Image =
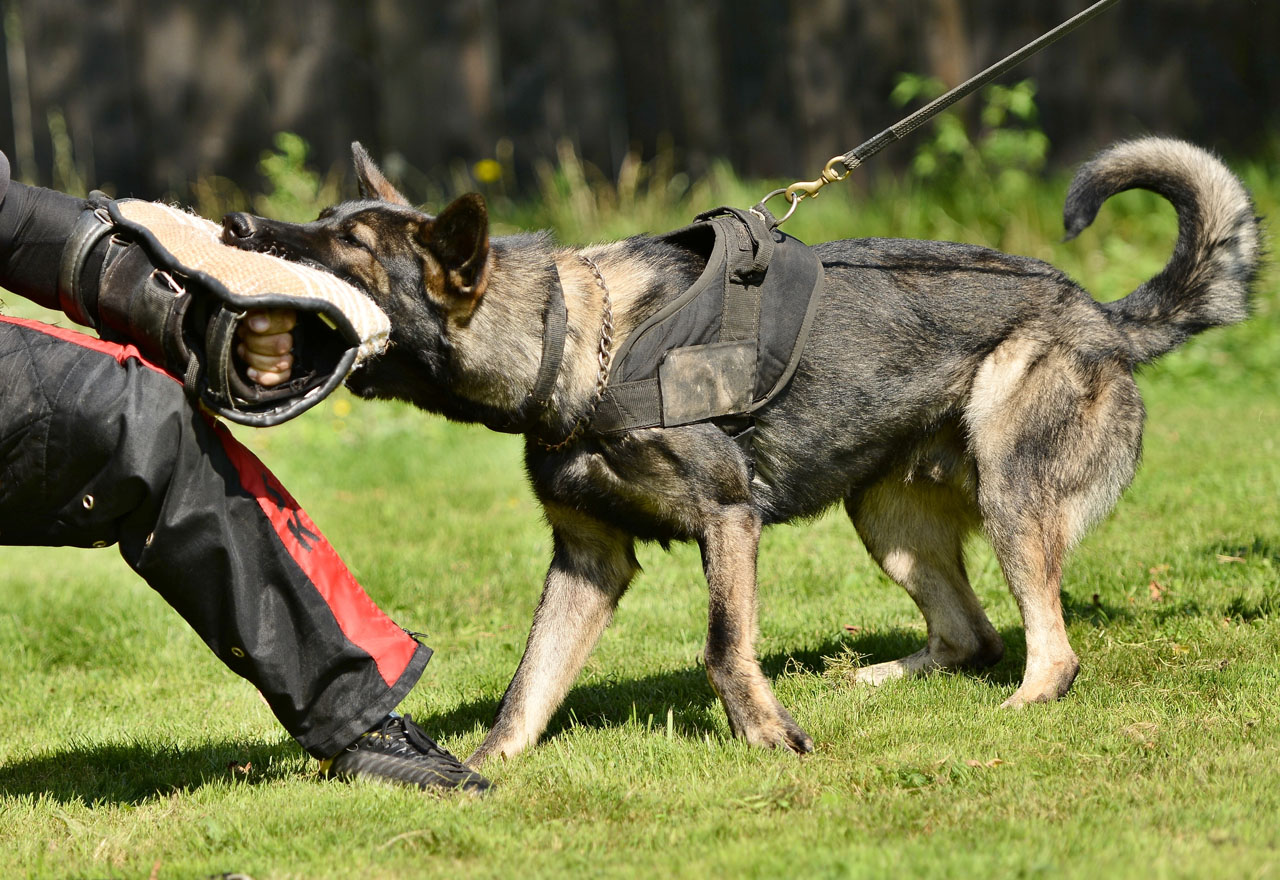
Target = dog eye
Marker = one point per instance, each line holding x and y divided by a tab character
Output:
348	237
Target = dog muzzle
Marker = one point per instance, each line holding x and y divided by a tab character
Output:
170	286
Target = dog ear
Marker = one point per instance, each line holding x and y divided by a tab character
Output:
373	185
459	239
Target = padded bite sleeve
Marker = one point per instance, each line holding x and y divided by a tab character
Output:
169	285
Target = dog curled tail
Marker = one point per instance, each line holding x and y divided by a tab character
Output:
1207	281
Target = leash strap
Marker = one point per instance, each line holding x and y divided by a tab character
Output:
839	167
862	152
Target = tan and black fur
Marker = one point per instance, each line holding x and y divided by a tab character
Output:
944	388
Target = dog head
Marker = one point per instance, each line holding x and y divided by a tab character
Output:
428	273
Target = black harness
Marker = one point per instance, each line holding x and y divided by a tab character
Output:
717	353
730	343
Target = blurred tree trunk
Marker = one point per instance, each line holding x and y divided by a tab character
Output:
697	75
150	94
819	69
435	79
948	43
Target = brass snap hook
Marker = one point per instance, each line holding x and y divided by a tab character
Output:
835	170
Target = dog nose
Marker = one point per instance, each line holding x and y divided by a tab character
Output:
237	225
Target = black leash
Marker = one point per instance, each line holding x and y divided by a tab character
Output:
859	154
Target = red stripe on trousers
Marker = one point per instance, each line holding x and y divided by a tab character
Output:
121	353
361	621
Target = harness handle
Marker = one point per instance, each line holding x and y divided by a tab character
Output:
831	173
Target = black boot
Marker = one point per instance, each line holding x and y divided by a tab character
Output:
398	751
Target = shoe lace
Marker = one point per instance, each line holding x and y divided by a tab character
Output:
401	730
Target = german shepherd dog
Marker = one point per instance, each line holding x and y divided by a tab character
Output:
944	387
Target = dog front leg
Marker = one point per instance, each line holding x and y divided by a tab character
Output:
590	570
729	560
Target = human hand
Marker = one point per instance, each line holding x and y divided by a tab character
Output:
266	345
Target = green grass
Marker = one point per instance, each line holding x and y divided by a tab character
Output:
126	750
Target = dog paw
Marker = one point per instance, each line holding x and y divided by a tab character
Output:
493	748
798	741
477	759
779	732
978	654
1020	699
1045	685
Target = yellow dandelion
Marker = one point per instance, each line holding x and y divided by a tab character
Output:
487	171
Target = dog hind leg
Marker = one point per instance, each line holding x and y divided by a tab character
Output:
915	530
1032	561
729	561
1056	438
590	570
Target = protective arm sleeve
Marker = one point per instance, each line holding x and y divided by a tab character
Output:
159	278
35	224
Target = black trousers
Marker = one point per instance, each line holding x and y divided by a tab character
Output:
98	447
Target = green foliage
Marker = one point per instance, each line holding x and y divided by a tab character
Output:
66	173
582	203
295	192
1009	149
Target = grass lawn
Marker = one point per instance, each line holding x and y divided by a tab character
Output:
127	750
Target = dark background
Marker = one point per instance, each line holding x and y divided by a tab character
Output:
147	95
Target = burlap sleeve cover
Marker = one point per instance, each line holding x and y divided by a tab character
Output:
339	325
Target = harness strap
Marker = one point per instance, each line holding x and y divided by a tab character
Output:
630	405
745	270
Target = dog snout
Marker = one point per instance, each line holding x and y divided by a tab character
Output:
238	228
